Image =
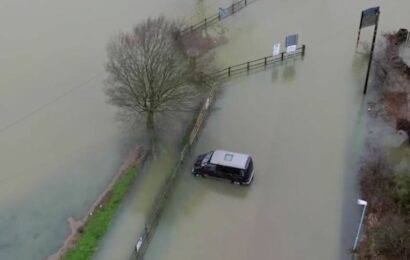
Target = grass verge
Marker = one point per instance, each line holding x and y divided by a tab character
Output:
98	224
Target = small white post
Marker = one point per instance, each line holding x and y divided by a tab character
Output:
138	245
364	204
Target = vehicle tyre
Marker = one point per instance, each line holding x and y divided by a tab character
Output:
236	182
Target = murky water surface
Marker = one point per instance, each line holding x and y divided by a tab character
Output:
59	143
301	123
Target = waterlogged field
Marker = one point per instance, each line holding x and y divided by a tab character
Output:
59	142
301	123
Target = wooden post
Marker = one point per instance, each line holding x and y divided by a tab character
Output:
229	71
205	22
360	28
303	50
247	66
266	61
233	10
282	56
245	2
371	55
219	14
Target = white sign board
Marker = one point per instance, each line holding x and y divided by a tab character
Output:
276	49
291	49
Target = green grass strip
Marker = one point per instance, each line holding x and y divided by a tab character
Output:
98	224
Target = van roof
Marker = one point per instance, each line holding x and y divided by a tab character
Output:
231	159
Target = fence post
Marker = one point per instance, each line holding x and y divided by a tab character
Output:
282	56
247	67
266	59
303	49
229	71
219	15
205	22
245	2
233	10
191	28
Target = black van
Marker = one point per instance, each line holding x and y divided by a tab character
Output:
236	167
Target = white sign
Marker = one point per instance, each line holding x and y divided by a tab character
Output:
291	49
276	49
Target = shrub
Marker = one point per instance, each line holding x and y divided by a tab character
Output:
403	124
376	184
402	189
390	239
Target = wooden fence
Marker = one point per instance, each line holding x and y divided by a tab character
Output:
212	81
252	65
159	203
222	14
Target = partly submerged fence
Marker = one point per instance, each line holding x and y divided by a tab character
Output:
159	203
222	14
153	217
253	65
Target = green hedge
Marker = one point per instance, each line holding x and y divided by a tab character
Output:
96	227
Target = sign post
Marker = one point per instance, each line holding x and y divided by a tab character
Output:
369	17
291	43
276	49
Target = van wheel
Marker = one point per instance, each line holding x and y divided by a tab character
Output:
236	182
199	175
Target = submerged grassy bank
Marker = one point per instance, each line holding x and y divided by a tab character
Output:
98	224
385	164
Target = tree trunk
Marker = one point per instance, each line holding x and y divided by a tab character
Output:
151	131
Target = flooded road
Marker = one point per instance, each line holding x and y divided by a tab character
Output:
301	122
59	142
60	145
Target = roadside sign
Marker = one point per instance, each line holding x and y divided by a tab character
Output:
369	17
224	12
291	43
276	49
291	48
292	40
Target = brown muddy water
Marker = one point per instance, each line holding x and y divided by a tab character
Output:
301	122
59	142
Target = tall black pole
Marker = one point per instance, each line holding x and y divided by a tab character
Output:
360	28
371	54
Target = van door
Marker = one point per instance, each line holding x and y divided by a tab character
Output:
209	169
222	172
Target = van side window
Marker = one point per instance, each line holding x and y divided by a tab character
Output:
210	167
230	170
223	169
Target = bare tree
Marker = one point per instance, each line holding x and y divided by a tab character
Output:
149	73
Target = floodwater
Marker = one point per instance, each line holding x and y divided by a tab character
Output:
59	142
301	122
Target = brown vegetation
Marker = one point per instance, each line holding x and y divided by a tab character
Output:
387	234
